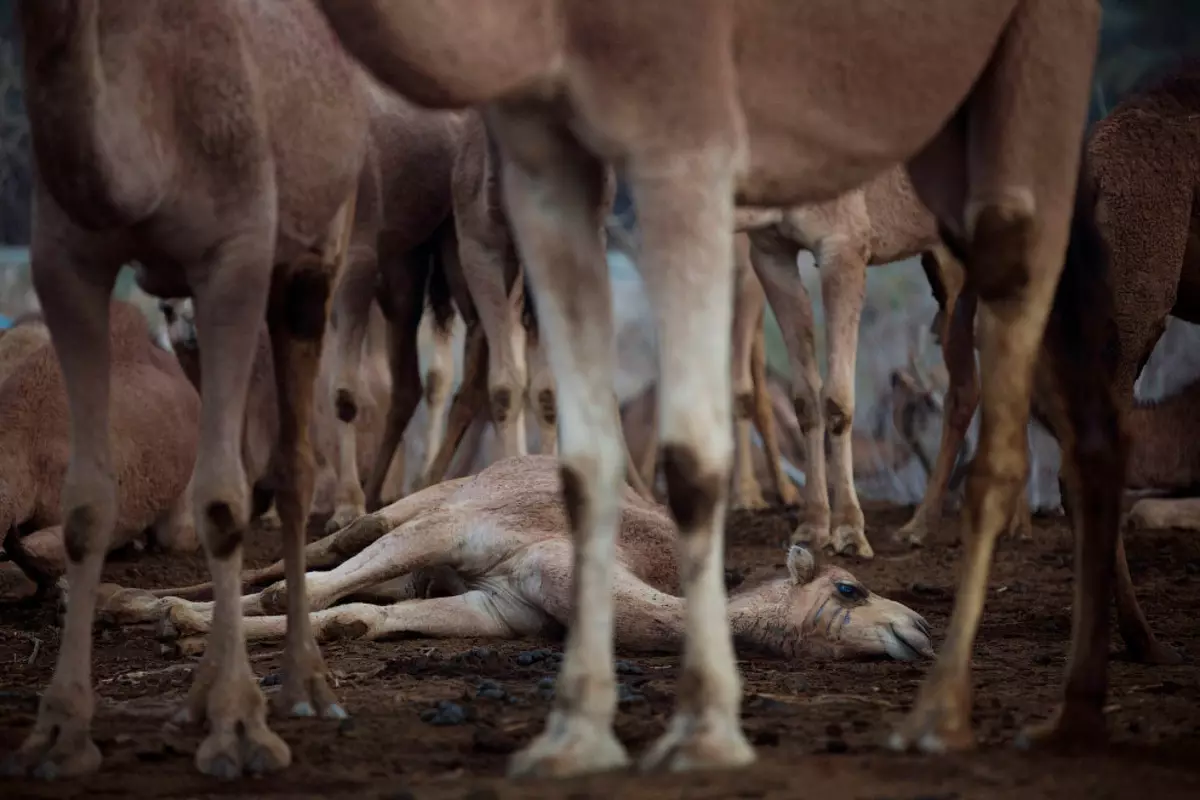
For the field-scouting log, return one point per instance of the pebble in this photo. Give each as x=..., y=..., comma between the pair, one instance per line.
x=628, y=668
x=490, y=690
x=271, y=679
x=626, y=694
x=445, y=713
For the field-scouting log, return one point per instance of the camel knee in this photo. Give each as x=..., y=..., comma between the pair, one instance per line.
x=1001, y=234
x=501, y=398
x=434, y=388
x=743, y=405
x=808, y=416
x=306, y=299
x=693, y=488
x=547, y=406
x=839, y=416
x=222, y=531
x=346, y=405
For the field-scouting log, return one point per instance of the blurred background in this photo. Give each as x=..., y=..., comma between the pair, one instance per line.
x=1140, y=40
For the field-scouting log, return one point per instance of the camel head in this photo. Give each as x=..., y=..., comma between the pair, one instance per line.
x=838, y=617
x=180, y=317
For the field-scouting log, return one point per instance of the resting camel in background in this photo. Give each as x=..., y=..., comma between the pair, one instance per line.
x=155, y=426
x=496, y=548
x=205, y=159
x=704, y=105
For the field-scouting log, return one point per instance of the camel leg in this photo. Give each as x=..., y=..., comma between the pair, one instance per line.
x=498, y=294
x=843, y=271
x=749, y=302
x=553, y=190
x=686, y=215
x=466, y=616
x=468, y=401
x=1158, y=513
x=73, y=286
x=297, y=316
x=1018, y=214
x=764, y=419
x=35, y=561
x=406, y=274
x=774, y=260
x=962, y=397
x=351, y=312
x=439, y=378
x=541, y=393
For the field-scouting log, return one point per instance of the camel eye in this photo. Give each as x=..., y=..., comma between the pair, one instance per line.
x=849, y=591
x=168, y=312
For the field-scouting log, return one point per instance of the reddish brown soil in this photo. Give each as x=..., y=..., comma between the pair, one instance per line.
x=818, y=727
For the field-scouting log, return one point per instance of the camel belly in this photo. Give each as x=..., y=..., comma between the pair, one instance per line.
x=836, y=91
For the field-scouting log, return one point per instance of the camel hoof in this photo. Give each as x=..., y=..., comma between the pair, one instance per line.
x=120, y=606
x=240, y=743
x=812, y=534
x=1066, y=732
x=913, y=533
x=60, y=746
x=273, y=599
x=750, y=502
x=307, y=696
x=939, y=723
x=343, y=515
x=1155, y=654
x=849, y=540
x=692, y=743
x=569, y=746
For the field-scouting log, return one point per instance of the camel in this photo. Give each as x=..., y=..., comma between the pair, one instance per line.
x=155, y=419
x=262, y=415
x=178, y=136
x=401, y=226
x=499, y=542
x=878, y=223
x=1132, y=189
x=706, y=105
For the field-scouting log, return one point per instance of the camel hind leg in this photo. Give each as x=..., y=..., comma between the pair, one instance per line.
x=962, y=395
x=439, y=374
x=297, y=317
x=764, y=419
x=749, y=302
x=470, y=615
x=1019, y=162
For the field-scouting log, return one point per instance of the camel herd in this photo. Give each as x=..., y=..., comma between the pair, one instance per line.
x=304, y=183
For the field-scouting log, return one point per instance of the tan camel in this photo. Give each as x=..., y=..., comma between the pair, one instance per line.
x=503, y=537
x=155, y=426
x=402, y=218
x=262, y=414
x=707, y=104
x=878, y=223
x=178, y=136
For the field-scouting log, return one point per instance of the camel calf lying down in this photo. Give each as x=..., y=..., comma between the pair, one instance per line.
x=499, y=543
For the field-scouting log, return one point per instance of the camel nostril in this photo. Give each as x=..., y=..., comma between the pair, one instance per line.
x=922, y=625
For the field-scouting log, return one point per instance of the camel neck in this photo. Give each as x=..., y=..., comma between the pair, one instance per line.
x=759, y=620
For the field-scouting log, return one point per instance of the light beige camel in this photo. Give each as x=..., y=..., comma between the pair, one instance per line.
x=502, y=535
x=1165, y=456
x=155, y=426
x=878, y=223
x=401, y=224
x=178, y=136
x=708, y=104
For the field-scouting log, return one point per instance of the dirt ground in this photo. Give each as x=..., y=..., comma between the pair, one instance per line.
x=439, y=718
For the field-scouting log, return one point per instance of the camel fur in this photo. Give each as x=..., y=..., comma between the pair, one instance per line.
x=499, y=542
x=155, y=427
x=180, y=137
x=707, y=105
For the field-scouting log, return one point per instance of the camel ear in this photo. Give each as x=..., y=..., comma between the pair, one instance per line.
x=801, y=564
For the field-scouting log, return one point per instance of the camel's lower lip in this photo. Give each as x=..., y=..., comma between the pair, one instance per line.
x=908, y=651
